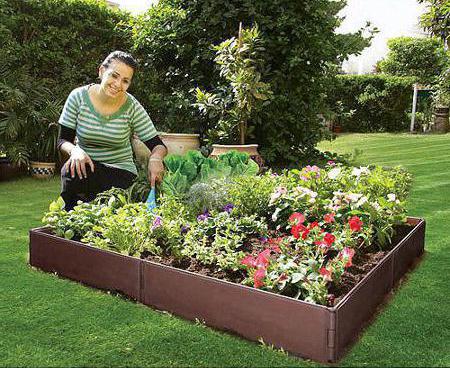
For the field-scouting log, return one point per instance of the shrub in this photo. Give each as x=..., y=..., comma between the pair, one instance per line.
x=423, y=58
x=61, y=41
x=380, y=103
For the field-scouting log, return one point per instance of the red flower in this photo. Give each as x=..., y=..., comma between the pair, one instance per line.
x=297, y=218
x=329, y=218
x=258, y=277
x=249, y=261
x=305, y=234
x=325, y=272
x=329, y=239
x=355, y=223
x=313, y=224
x=297, y=229
x=347, y=255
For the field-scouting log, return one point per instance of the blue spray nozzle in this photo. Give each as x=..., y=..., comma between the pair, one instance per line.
x=151, y=200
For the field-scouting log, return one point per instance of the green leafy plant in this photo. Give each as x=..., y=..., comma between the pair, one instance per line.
x=234, y=104
x=193, y=167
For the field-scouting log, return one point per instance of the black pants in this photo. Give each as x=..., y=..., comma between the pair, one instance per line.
x=103, y=178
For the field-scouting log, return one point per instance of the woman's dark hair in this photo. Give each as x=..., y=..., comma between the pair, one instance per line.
x=122, y=56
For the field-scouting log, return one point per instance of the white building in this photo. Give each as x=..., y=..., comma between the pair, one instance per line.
x=393, y=18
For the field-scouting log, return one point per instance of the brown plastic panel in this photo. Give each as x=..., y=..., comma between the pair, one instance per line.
x=92, y=266
x=280, y=321
x=359, y=305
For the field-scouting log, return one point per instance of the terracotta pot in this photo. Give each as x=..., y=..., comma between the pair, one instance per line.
x=180, y=143
x=251, y=149
x=42, y=170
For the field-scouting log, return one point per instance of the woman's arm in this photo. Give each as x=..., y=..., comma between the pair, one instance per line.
x=77, y=157
x=155, y=163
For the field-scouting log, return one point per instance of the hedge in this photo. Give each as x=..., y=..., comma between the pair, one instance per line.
x=380, y=102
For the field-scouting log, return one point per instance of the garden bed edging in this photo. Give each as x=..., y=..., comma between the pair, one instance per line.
x=307, y=330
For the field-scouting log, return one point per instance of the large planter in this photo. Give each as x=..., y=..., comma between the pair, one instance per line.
x=176, y=143
x=441, y=116
x=9, y=171
x=180, y=143
x=304, y=329
x=251, y=149
x=42, y=170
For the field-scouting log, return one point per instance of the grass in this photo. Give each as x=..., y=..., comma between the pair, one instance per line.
x=51, y=322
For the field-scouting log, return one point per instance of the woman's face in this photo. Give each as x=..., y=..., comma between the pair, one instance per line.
x=115, y=79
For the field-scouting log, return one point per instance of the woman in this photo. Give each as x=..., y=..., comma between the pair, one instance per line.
x=103, y=117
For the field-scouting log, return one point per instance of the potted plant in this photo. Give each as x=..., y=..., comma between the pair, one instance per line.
x=441, y=102
x=28, y=120
x=234, y=104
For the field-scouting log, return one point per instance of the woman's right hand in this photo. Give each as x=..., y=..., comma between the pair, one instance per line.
x=77, y=163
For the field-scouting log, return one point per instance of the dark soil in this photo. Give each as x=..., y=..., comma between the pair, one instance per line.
x=363, y=263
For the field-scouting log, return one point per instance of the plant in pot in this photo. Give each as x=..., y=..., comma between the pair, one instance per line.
x=233, y=105
x=441, y=102
x=28, y=116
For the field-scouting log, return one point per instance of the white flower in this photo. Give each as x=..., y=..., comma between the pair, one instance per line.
x=376, y=205
x=361, y=170
x=275, y=214
x=353, y=197
x=361, y=201
x=277, y=194
x=334, y=173
x=391, y=197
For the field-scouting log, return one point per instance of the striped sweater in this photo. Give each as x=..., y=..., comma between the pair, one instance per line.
x=107, y=138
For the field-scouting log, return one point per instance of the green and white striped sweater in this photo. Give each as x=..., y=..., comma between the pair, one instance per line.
x=107, y=138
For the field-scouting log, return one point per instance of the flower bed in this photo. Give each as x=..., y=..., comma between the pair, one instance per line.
x=309, y=237
x=304, y=329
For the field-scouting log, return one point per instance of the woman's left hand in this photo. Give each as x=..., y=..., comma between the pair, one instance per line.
x=155, y=171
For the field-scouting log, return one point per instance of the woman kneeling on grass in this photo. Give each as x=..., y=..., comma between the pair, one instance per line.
x=103, y=117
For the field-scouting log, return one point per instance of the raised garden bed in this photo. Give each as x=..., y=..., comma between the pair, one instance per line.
x=304, y=329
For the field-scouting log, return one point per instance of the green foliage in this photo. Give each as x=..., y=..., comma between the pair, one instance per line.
x=251, y=194
x=127, y=230
x=423, y=58
x=379, y=103
x=302, y=49
x=28, y=116
x=234, y=104
x=207, y=196
x=436, y=19
x=61, y=41
x=193, y=167
x=218, y=239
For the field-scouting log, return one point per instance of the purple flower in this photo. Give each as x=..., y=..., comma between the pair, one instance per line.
x=157, y=222
x=263, y=239
x=204, y=216
x=228, y=208
x=184, y=229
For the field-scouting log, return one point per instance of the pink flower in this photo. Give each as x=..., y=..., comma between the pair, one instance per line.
x=331, y=163
x=346, y=255
x=326, y=273
x=355, y=223
x=297, y=218
x=262, y=260
x=249, y=261
x=258, y=277
x=329, y=218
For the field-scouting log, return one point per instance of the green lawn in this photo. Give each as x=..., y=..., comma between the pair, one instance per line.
x=47, y=321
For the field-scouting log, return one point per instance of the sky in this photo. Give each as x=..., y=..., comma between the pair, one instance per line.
x=393, y=18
